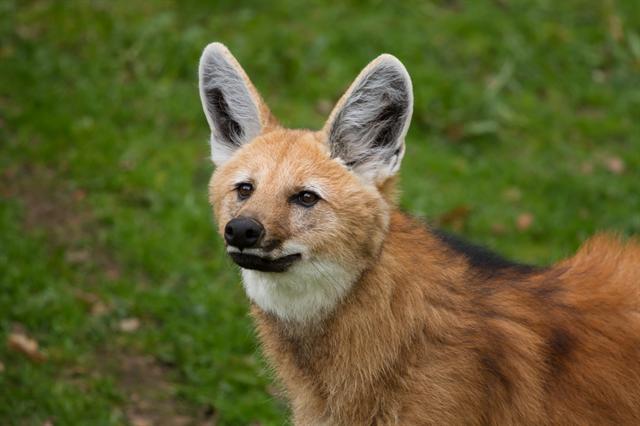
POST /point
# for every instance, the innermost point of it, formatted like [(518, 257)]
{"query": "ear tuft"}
[(366, 129), (234, 110)]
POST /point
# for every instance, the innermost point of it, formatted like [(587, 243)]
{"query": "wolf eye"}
[(244, 190), (306, 198)]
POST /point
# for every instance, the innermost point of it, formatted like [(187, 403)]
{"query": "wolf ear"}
[(235, 112), (367, 127)]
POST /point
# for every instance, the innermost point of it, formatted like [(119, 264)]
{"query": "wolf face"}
[(303, 213)]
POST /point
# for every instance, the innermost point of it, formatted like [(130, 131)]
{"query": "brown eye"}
[(244, 190), (307, 198)]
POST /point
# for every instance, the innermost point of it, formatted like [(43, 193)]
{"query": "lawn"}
[(525, 137)]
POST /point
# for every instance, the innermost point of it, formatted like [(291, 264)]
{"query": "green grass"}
[(520, 107)]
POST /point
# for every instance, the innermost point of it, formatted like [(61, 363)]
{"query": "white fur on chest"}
[(309, 290)]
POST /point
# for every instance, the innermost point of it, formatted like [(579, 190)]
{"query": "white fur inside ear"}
[(229, 104), (308, 291), (368, 126)]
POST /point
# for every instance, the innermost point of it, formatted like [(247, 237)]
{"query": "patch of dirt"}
[(150, 395), (58, 208), (49, 203)]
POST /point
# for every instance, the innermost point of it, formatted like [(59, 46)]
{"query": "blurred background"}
[(117, 303)]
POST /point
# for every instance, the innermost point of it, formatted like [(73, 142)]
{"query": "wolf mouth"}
[(250, 261)]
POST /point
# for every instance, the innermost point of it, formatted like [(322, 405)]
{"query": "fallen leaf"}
[(21, 343), (139, 421), (498, 229), (95, 306), (512, 194), (615, 165), (524, 221), (456, 217), (76, 257), (586, 168), (99, 309), (112, 272), (76, 371), (129, 325)]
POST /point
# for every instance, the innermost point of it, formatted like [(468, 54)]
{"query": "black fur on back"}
[(480, 258)]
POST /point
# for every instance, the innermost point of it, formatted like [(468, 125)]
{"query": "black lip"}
[(250, 261)]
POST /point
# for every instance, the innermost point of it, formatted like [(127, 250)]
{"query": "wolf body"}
[(370, 317)]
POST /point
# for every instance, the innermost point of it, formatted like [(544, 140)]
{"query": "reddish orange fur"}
[(426, 336), (423, 339)]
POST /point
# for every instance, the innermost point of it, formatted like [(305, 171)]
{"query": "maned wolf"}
[(371, 317)]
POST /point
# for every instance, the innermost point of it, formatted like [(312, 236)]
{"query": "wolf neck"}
[(376, 323), (417, 304)]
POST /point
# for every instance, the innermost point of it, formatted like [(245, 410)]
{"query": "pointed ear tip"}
[(215, 46), (214, 49), (387, 58), (391, 61)]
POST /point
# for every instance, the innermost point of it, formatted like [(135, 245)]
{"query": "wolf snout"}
[(243, 232)]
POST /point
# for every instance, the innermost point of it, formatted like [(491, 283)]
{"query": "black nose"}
[(243, 232)]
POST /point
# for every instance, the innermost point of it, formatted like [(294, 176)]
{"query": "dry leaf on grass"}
[(524, 221), (93, 302), (99, 309), (586, 168), (512, 194), (86, 297), (498, 229), (139, 421), (456, 218), (77, 257), (615, 165), (129, 325), (21, 343)]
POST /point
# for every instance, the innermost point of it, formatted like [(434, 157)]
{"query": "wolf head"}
[(303, 213)]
